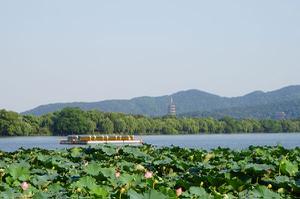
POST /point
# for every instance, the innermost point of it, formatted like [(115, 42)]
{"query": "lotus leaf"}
[(109, 150), (19, 171), (107, 171), (264, 192), (93, 169), (288, 168)]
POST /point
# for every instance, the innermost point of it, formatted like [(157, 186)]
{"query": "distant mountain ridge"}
[(290, 108), (195, 103)]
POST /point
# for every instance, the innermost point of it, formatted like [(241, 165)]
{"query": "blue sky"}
[(69, 50)]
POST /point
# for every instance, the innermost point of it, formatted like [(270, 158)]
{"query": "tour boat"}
[(101, 139)]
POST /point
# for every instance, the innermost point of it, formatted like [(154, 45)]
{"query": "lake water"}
[(234, 141)]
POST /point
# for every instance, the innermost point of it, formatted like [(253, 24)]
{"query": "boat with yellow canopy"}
[(101, 139)]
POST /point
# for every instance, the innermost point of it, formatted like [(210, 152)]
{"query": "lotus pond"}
[(147, 172)]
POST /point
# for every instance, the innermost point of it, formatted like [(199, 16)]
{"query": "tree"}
[(231, 125), (211, 125), (143, 126), (157, 125), (47, 124), (119, 125), (33, 125), (246, 126), (96, 117), (106, 126), (289, 126), (189, 126), (76, 121), (203, 127), (271, 126), (257, 127), (71, 121), (130, 124), (171, 126), (10, 123)]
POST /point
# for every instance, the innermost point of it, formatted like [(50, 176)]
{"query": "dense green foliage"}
[(257, 104), (146, 172), (75, 121)]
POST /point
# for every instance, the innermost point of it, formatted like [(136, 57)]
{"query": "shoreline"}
[(238, 133)]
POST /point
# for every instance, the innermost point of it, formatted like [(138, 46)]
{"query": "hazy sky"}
[(68, 50)]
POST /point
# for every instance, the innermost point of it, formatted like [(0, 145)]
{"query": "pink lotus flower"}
[(179, 191), (148, 174), (24, 186), (117, 174)]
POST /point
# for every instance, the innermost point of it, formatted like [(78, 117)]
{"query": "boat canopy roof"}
[(101, 135)]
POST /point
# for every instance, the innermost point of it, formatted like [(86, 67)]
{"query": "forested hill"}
[(290, 108), (196, 103)]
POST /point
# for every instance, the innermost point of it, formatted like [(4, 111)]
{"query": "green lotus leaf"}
[(136, 152), (282, 179), (165, 161), (41, 181), (109, 150), (19, 171), (126, 178), (2, 164), (76, 152), (108, 172), (288, 168), (264, 192), (153, 194), (38, 171), (43, 158), (225, 173), (200, 192), (55, 188), (239, 183), (127, 166), (296, 186), (134, 195), (41, 195), (10, 194), (93, 169), (99, 192), (137, 180), (85, 182), (259, 167)]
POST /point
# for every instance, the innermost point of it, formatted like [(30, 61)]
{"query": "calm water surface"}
[(234, 141)]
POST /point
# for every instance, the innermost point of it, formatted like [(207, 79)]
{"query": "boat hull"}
[(102, 142)]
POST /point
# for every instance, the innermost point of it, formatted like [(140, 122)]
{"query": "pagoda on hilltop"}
[(172, 108)]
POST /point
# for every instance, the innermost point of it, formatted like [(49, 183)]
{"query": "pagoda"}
[(172, 108)]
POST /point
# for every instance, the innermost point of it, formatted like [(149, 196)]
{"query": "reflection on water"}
[(234, 141)]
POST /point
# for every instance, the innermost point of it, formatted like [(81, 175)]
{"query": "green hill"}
[(267, 111), (196, 103)]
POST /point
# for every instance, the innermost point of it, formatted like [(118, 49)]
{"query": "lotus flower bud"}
[(24, 186), (179, 191), (117, 174), (148, 174)]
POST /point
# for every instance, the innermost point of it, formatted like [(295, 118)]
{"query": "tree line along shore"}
[(76, 121)]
